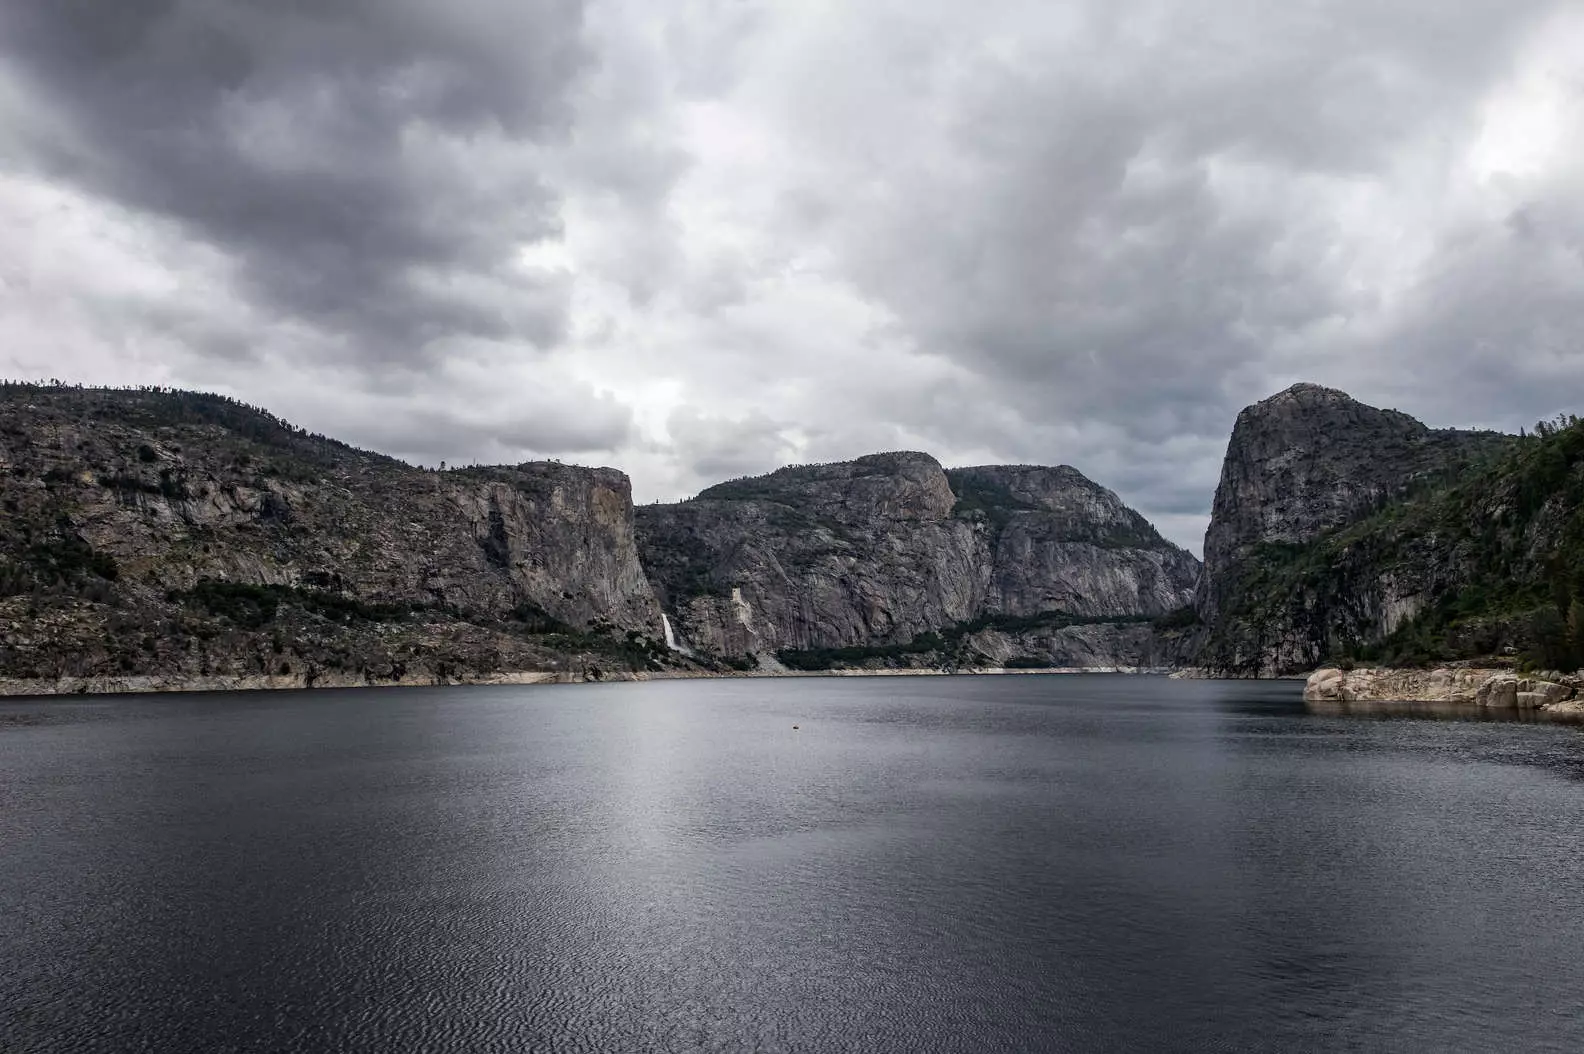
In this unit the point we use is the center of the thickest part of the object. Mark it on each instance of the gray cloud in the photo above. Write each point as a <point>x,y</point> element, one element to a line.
<point>716,448</point>
<point>1149,219</point>
<point>559,423</point>
<point>1080,233</point>
<point>367,165</point>
<point>780,231</point>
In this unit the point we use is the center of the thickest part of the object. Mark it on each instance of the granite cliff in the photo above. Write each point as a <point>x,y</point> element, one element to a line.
<point>159,538</point>
<point>1345,533</point>
<point>892,560</point>
<point>165,533</point>
<point>1309,460</point>
<point>155,537</point>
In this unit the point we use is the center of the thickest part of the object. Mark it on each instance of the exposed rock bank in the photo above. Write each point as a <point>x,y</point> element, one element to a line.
<point>1495,689</point>
<point>132,685</point>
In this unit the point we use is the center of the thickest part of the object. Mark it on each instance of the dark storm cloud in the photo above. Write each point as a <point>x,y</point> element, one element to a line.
<point>1503,323</point>
<point>362,161</point>
<point>1091,241</point>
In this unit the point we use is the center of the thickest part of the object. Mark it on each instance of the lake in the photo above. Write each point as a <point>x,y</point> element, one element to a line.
<point>924,864</point>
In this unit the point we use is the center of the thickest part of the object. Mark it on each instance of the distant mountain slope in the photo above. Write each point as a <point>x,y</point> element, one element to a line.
<point>886,552</point>
<point>176,535</point>
<point>1060,541</point>
<point>172,532</point>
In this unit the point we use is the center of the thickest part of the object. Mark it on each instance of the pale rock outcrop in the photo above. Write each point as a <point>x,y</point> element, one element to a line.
<point>1492,689</point>
<point>1498,692</point>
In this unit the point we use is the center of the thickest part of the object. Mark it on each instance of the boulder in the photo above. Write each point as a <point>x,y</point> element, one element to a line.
<point>1325,685</point>
<point>1499,692</point>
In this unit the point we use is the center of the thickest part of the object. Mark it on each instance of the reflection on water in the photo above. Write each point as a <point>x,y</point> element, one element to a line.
<point>930,864</point>
<point>1441,711</point>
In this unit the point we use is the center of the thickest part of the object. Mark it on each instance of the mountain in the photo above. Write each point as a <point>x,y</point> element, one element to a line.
<point>891,559</point>
<point>162,538</point>
<point>155,538</point>
<point>173,534</point>
<point>166,538</point>
<point>1344,531</point>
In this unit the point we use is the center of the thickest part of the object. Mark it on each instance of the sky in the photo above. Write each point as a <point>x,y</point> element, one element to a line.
<point>705,238</point>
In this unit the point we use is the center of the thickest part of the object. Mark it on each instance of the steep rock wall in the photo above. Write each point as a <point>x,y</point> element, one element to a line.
<point>885,548</point>
<point>1303,465</point>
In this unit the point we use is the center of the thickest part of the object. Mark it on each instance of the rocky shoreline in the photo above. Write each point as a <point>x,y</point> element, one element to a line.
<point>133,685</point>
<point>1487,688</point>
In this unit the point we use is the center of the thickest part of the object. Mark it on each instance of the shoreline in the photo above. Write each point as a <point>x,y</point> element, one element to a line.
<point>1328,689</point>
<point>154,684</point>
<point>1486,688</point>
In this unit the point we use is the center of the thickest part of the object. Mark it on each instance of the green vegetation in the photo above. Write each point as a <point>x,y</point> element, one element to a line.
<point>1042,620</point>
<point>253,606</point>
<point>296,452</point>
<point>70,557</point>
<point>992,499</point>
<point>770,487</point>
<point>982,496</point>
<point>632,649</point>
<point>858,655</point>
<point>65,564</point>
<point>534,619</point>
<point>748,488</point>
<point>14,579</point>
<point>169,484</point>
<point>1183,619</point>
<point>946,647</point>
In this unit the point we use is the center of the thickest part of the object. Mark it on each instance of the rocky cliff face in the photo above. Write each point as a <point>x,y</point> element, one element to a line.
<point>189,539</point>
<point>855,553</point>
<point>880,551</point>
<point>152,531</point>
<point>556,536</point>
<point>1061,542</point>
<point>1302,466</point>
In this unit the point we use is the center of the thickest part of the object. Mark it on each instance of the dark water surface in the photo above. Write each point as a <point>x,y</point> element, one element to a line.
<point>929,864</point>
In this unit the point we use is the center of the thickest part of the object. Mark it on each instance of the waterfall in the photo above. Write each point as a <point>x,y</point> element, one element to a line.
<point>671,637</point>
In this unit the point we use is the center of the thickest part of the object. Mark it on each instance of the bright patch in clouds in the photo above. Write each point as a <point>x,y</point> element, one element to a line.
<point>1531,124</point>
